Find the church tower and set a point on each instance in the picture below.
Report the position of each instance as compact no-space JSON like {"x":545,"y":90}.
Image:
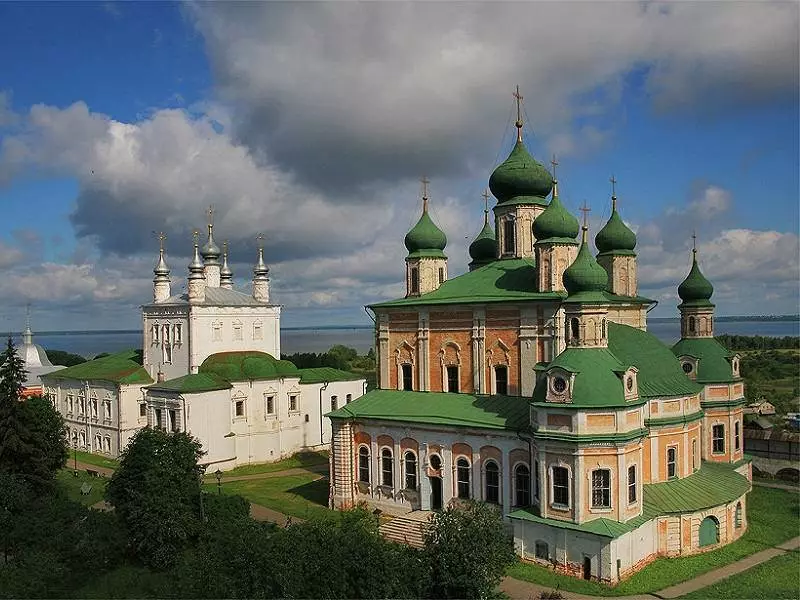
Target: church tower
{"x":426,"y":263}
{"x":225,"y":273}
{"x":161,"y":281}
{"x":586,"y":306}
{"x":261,"y":275}
{"x":196,"y":282}
{"x":555,"y":231}
{"x":483,"y":248}
{"x":615,"y":244}
{"x":211,"y":254}
{"x":697,"y":311}
{"x":521,"y":186}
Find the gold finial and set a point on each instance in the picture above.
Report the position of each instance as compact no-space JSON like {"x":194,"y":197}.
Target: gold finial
{"x":485,"y":196}
{"x":585,"y":210}
{"x":161,"y":237}
{"x":518,"y":124}
{"x":613,"y":181}
{"x":196,"y":237}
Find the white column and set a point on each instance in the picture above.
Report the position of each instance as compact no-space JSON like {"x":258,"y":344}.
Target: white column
{"x":505,"y":479}
{"x":447,"y":475}
{"x":397,"y":471}
{"x":622,"y":482}
{"x":477,"y":476}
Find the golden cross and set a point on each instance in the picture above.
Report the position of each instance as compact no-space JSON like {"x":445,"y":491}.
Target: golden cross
{"x":585,"y":210}
{"x":554,"y":162}
{"x":425,"y":181}
{"x":518,"y":124}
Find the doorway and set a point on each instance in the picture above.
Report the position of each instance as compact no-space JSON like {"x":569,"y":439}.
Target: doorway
{"x":436,"y":493}
{"x":587,"y":567}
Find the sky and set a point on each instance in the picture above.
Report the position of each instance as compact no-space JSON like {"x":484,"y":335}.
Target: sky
{"x":312,"y":123}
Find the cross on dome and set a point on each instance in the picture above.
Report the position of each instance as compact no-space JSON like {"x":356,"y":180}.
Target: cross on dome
{"x":554,"y":162}
{"x":518,"y":124}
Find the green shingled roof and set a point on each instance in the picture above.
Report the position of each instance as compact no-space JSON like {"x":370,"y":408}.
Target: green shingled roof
{"x":713,"y":359}
{"x":598,"y":379}
{"x":193,"y":383}
{"x":695,"y":290}
{"x":439,"y":408}
{"x":425,"y":238}
{"x":122,"y":367}
{"x":713,"y":484}
{"x":556,"y":221}
{"x":323,"y":374}
{"x":247,"y":365}
{"x":483,"y":248}
{"x":615,"y":235}
{"x":521,"y":179}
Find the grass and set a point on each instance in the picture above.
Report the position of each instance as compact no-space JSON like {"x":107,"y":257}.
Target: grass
{"x":299,"y":460}
{"x":773,"y":517}
{"x":92,"y":459}
{"x":776,"y":578}
{"x":72,"y":486}
{"x":304,"y":496}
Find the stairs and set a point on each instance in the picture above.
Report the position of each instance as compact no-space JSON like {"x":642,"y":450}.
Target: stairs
{"x":407,"y":529}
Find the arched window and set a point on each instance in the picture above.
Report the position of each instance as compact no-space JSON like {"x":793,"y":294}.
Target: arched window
{"x":414,"y":280}
{"x":462,"y":477}
{"x":631,"y":484}
{"x":692,"y":325}
{"x":436,"y":462}
{"x":411,"y":470}
{"x":509,"y":244}
{"x":542,"y":551}
{"x":672,"y":462}
{"x":441,"y":275}
{"x":387,"y":471}
{"x":522,"y":485}
{"x":363,"y":464}
{"x":492,"y":482}
{"x":709,"y":532}
{"x":737,"y":517}
{"x":575,"y":327}
{"x":604,"y":328}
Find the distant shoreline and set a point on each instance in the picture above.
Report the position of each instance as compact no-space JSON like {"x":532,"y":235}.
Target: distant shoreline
{"x":739,"y":319}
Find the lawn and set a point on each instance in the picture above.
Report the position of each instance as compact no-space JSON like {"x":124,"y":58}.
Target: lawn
{"x":304,"y":496}
{"x":92,"y":459}
{"x":773,"y":517}
{"x":299,"y":460}
{"x":72,"y":486}
{"x":776,"y":578}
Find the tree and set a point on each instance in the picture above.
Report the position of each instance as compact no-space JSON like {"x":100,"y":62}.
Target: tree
{"x":48,"y":435}
{"x":467,"y":550}
{"x":65,"y":359}
{"x":156,"y":492}
{"x":17,"y":455}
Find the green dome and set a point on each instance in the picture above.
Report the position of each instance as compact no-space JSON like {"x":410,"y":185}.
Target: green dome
{"x":483,"y":249}
{"x":556,"y":221}
{"x":695,"y":289}
{"x":520,"y":175}
{"x":585,"y":275}
{"x":425,"y":237}
{"x":615,"y":235}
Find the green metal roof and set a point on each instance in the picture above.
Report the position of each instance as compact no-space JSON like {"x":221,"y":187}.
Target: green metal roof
{"x":193,"y":383}
{"x":440,"y":408}
{"x":598,"y":378}
{"x":695,"y":290}
{"x":556,"y":221}
{"x":122,"y":367}
{"x":615,"y":236}
{"x":520,"y":175}
{"x":713,"y":484}
{"x":584,"y":274}
{"x":247,"y":365}
{"x":713,"y":359}
{"x":483,"y":248}
{"x":323,"y":374}
{"x":425,"y":236}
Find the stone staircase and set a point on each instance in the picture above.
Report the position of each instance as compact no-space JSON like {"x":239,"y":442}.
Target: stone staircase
{"x":407,"y":529}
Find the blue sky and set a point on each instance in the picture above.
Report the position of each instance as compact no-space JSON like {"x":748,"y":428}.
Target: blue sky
{"x":313,"y":122}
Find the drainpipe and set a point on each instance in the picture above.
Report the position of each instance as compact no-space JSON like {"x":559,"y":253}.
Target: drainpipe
{"x":182,"y":399}
{"x":322,"y":388}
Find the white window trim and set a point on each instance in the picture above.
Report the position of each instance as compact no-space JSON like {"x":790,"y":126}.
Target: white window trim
{"x":551,"y":487}
{"x":677,"y":462}
{"x":358,"y":464}
{"x":405,"y":472}
{"x":499,"y":480}
{"x":713,"y":425}
{"x":239,"y":397}
{"x":601,"y":509}
{"x":380,"y":465}
{"x":637,"y":484}
{"x":456,"y":458}
{"x":296,"y":410}
{"x":513,"y":486}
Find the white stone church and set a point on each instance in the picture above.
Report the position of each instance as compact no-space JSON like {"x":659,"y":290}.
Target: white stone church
{"x":210,"y":365}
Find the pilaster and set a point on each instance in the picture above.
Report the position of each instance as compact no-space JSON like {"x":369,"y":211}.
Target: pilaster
{"x":383,"y":351}
{"x":479,"y":382}
{"x":528,"y":337}
{"x":423,"y":351}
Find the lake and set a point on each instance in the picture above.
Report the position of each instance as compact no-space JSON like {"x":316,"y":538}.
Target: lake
{"x":90,"y":343}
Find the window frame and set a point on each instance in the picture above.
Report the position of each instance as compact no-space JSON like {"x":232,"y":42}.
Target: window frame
{"x":500,"y":369}
{"x":239,"y":408}
{"x":410,"y":458}
{"x":387,"y":467}
{"x":496,"y":487}
{"x":633,"y":496}
{"x":509,"y":236}
{"x":672,"y":465}
{"x":294,"y":403}
{"x":601,"y":488}
{"x":414,"y":280}
{"x":269,"y":405}
{"x":736,"y":436}
{"x":407,"y":376}
{"x":524,"y":490}
{"x":457,"y":378}
{"x":565,"y":487}
{"x":463,"y":484}
{"x":364,"y":466}
{"x":334,"y":402}
{"x":715,"y":439}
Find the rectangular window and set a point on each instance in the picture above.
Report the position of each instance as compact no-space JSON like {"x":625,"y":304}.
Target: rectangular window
{"x":237,"y":332}
{"x":632,"y":484}
{"x":293,"y":403}
{"x":414,"y":280}
{"x":387,"y":468}
{"x":70,"y":404}
{"x":270,"y":405}
{"x":408,"y":378}
{"x":452,"y":379}
{"x":560,"y":486}
{"x":508,"y":236}
{"x":159,"y":424}
{"x":334,"y":402}
{"x":411,"y":470}
{"x":165,"y":334}
{"x":240,"y":408}
{"x":348,"y":398}
{"x":216,"y":332}
{"x":107,"y":444}
{"x":718,"y":439}
{"x":501,"y":380}
{"x":601,"y":488}
{"x":736,"y":435}
{"x":154,"y":333}
{"x":178,"y":334}
{"x":142,"y":409}
{"x":441,"y":276}
{"x":173,"y":421}
{"x":694,"y":455}
{"x":258,"y":331}
{"x":672,"y":462}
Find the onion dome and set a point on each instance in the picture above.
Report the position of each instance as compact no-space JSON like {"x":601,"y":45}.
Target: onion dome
{"x":225,"y":273}
{"x":556,"y":221}
{"x":161,"y":269}
{"x":260,"y":270}
{"x":520,"y":176}
{"x":584,"y":274}
{"x":483,"y":248}
{"x":210,"y":250}
{"x":425,"y":238}
{"x":196,"y":269}
{"x":695,"y":289}
{"x":615,"y":236}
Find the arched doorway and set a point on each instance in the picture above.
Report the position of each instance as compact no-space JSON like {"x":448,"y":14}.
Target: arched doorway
{"x":709,"y":532}
{"x":436,"y":482}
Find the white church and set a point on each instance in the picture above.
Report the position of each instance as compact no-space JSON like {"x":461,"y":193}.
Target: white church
{"x":210,"y":365}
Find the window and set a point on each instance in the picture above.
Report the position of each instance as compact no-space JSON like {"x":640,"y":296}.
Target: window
{"x":157,"y":412}
{"x":692,"y":325}
{"x":82,"y":439}
{"x":631,"y":484}
{"x":414,"y":280}
{"x":508,"y":236}
{"x":561,"y":486}
{"x":672,"y":462}
{"x":492,"y":482}
{"x":718,"y":439}
{"x":536,"y":479}
{"x":462,"y":477}
{"x":736,"y":435}
{"x":408,"y":381}
{"x":604,"y":328}
{"x":166,"y":351}
{"x":363,"y":464}
{"x":154,"y":333}
{"x":270,"y":405}
{"x":436,"y":462}
{"x":501,"y":380}
{"x":334,"y":402}
{"x":94,"y":408}
{"x":601,"y":488}
{"x":107,"y":444}
{"x":542,"y":551}
{"x":98,"y":443}
{"x":70,"y":403}
{"x":173,"y":420}
{"x":452,"y":379}
{"x":441,"y":276}
{"x":237,"y":331}
{"x":411,"y":470}
{"x":522,"y":485}
{"x":258,"y":331}
{"x":575,"y":328}
{"x":387,"y":472}
{"x":737,"y":517}
{"x":694,"y":455}
{"x":239,"y":408}
{"x":687,"y":367}
{"x":348,"y":398}
{"x":178,"y":334}
{"x":107,"y":410}
{"x":165,"y":334}
{"x":216,"y":332}
{"x":293,"y":403}
{"x":142,"y":409}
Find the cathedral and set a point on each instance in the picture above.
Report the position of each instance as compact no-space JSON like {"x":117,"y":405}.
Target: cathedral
{"x":531,"y":382}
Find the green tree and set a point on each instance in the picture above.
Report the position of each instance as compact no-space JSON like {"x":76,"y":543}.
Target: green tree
{"x":17,"y":455}
{"x":467,"y":551}
{"x":156,"y":492}
{"x":48,"y":435}
{"x":65,"y":359}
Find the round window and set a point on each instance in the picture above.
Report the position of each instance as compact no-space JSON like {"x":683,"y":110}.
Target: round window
{"x":629,"y":384}
{"x":559,"y":384}
{"x":687,"y":367}
{"x":436,"y":462}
